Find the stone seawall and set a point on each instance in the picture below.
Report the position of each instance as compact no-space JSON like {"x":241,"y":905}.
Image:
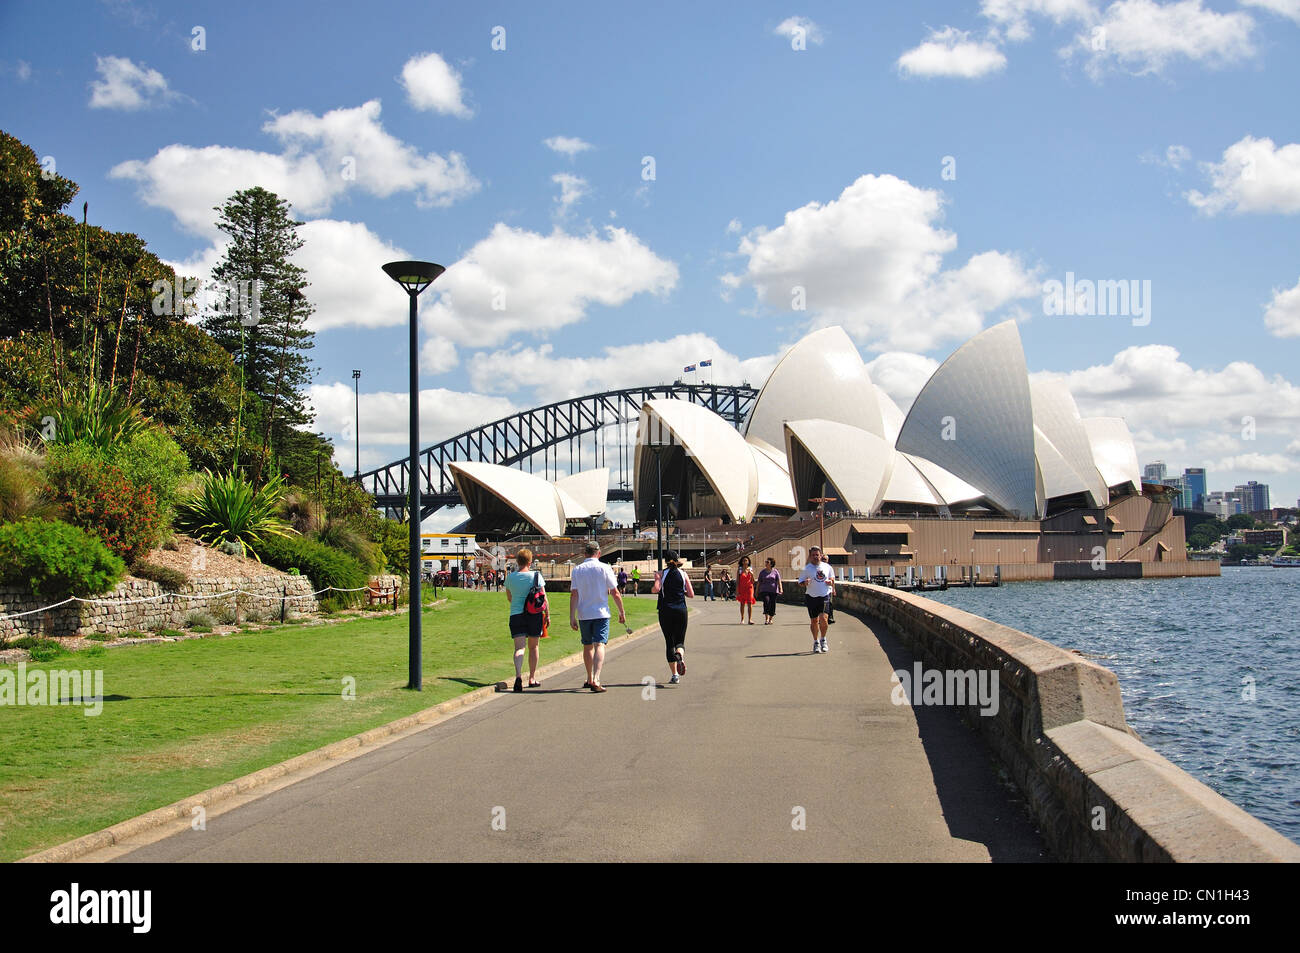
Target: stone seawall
{"x":1097,"y":792}
{"x":125,"y":609}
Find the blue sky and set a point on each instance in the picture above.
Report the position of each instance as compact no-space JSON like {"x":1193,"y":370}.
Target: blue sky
{"x":919,"y":170}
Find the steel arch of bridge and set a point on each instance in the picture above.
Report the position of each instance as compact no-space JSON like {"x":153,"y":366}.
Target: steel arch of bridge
{"x":520,"y":438}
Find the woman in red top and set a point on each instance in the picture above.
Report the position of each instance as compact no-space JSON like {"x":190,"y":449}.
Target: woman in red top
{"x":745,"y":589}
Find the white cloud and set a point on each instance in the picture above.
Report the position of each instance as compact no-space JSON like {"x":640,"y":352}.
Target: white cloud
{"x":1286,"y":8}
{"x":322,"y":157}
{"x":566,"y":145}
{"x":1175,"y":157}
{"x":23,"y":70}
{"x":431,"y":84}
{"x":1143,"y":37}
{"x":384,"y":414}
{"x":1255,"y":463}
{"x":516,"y":281}
{"x":547,"y":376}
{"x":872,"y":261}
{"x":792,"y":27}
{"x":1282,"y":318}
{"x":1254,"y":176}
{"x":572,"y":189}
{"x":124,"y":85}
{"x":734,"y":227}
{"x":1011,"y":17}
{"x":952,"y":52}
{"x":901,"y":374}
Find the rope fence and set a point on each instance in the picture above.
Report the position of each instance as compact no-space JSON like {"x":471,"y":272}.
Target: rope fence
{"x":179,"y":595}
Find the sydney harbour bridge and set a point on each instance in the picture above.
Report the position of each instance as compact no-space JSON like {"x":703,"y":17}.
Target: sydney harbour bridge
{"x":596,"y":430}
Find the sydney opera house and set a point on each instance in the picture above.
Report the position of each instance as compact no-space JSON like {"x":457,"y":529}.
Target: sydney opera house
{"x":986,"y":468}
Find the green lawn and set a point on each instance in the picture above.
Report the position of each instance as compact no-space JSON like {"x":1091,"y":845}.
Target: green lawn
{"x":182,"y":717}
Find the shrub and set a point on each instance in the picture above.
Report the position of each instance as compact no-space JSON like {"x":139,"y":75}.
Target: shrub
{"x":341,"y":535}
{"x":170,"y":579}
{"x":41,"y":650}
{"x":199,"y":617}
{"x":97,"y":496}
{"x":151,"y":458}
{"x":102,"y":636}
{"x":228,"y":510}
{"x":97,"y":416}
{"x":22,"y":491}
{"x":56,"y":560}
{"x":302,"y":513}
{"x":323,"y":565}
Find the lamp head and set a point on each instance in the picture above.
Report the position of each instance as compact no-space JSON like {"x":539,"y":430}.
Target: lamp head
{"x":413,"y":276}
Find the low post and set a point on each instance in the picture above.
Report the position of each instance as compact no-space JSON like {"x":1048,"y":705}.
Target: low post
{"x":284,"y":598}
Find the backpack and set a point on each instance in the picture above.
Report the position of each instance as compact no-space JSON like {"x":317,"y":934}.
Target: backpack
{"x":535,"y":601}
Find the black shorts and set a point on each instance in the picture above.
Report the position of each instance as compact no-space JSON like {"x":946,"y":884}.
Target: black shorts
{"x":816,"y":605}
{"x":527,"y":624}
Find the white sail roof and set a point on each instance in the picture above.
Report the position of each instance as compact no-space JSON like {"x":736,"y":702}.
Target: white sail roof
{"x":822,"y":376}
{"x":1057,"y":416}
{"x":583,"y":494}
{"x":718,"y":449}
{"x":908,"y":485}
{"x":533,"y":498}
{"x":951,"y":489}
{"x":975,"y":418}
{"x":1112,"y":448}
{"x":856,"y":462}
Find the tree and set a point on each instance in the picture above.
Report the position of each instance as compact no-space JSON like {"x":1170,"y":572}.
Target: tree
{"x":271,"y":340}
{"x":1241,"y":521}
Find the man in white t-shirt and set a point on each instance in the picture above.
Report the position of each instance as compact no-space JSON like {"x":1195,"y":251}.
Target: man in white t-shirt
{"x":818,"y":581}
{"x":591,"y":584}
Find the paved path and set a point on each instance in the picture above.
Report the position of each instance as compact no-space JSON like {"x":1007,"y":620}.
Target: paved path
{"x":711,"y":769}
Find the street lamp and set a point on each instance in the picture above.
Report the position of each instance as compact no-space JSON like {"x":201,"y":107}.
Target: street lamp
{"x":821,"y":502}
{"x":356,"y":396}
{"x":414,"y":277}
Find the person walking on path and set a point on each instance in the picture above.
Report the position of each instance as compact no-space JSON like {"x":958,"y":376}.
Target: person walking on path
{"x":769,"y":587}
{"x":622,"y":579}
{"x":674,"y":588}
{"x":745,"y":590}
{"x":530,"y":614}
{"x":818,"y":580}
{"x":725,"y":582}
{"x":590,"y":585}
{"x":636,"y":578}
{"x":708,"y":584}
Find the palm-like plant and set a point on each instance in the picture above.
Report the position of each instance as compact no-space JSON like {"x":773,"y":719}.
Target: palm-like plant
{"x":229,"y":509}
{"x":100,"y":416}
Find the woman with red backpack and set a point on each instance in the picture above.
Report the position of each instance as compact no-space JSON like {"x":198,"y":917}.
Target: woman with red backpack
{"x":530,"y":615}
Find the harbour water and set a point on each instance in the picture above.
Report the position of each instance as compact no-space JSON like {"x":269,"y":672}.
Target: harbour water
{"x":1208,"y":668}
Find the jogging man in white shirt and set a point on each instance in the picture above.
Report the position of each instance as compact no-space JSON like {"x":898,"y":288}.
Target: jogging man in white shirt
{"x":591,"y":584}
{"x":818,"y":579}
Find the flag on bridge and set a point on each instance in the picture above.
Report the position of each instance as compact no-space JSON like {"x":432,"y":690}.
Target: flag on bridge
{"x":689,"y":369}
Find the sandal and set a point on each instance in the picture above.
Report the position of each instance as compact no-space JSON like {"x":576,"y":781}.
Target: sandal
{"x":597,"y":687}
{"x":534,"y":684}
{"x":586,"y":684}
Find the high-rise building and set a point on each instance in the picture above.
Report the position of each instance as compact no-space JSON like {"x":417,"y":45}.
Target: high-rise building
{"x":1183,"y":492}
{"x":1154,"y":472}
{"x":1253,"y":496}
{"x":1221,"y":508}
{"x":1195,"y":479}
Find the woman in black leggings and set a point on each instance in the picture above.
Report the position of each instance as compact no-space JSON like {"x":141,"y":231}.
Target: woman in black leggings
{"x":674,"y":588}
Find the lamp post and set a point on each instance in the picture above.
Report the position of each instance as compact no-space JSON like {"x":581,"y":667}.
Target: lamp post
{"x":356,"y":427}
{"x":821,"y":502}
{"x":414,"y":277}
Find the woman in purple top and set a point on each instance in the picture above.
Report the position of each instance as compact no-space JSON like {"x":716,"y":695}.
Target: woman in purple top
{"x":769,"y":586}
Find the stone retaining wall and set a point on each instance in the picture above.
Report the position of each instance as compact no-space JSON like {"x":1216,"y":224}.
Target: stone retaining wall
{"x":1097,"y":792}
{"x":115,"y":612}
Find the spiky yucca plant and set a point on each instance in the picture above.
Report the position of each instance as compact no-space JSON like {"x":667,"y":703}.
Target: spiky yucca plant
{"x":229,"y":509}
{"x":98,"y":415}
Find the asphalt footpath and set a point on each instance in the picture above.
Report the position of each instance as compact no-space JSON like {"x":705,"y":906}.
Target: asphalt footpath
{"x":763,"y":752}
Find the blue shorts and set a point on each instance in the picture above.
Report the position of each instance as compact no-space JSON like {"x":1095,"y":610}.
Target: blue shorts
{"x":594,"y":631}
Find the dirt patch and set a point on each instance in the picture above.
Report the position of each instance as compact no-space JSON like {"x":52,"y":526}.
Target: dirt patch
{"x":198,"y":561}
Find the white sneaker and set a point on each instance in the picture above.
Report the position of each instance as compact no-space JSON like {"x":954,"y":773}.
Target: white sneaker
{"x":817,"y":647}
{"x":825,"y":650}
{"x":675,"y":679}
